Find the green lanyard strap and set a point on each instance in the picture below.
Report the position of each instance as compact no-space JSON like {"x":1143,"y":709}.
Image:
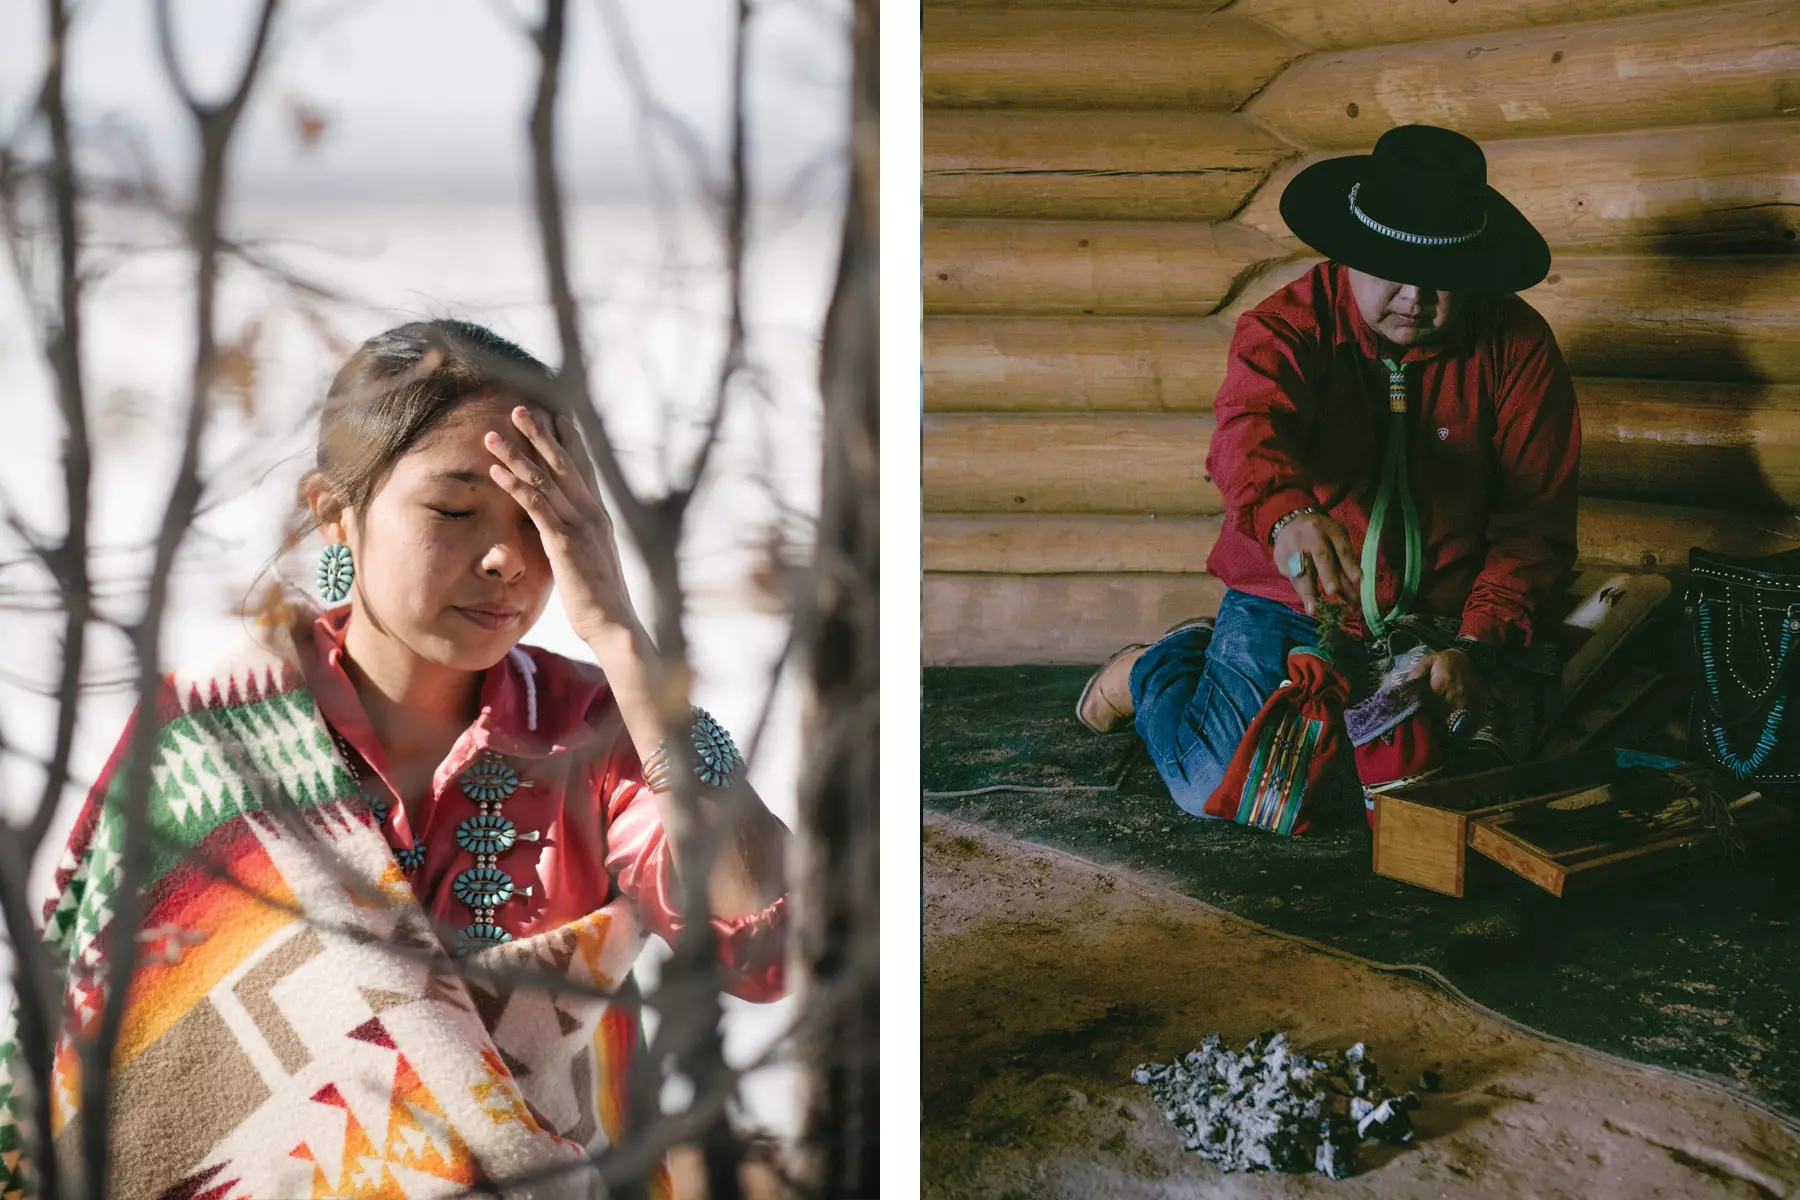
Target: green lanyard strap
{"x":1393,"y":478}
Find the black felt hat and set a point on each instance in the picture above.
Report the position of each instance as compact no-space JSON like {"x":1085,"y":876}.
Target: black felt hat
{"x":1418,"y":210}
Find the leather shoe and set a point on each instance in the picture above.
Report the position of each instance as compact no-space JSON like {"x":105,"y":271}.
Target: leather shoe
{"x":1105,"y":702}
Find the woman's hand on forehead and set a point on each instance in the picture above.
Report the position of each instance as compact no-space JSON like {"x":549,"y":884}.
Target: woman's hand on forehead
{"x":545,"y":468}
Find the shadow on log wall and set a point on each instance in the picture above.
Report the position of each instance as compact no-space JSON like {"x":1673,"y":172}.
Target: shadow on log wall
{"x":1100,"y":185}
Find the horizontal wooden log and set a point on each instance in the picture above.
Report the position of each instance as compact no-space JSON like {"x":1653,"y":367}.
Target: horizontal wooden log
{"x":1727,"y":318}
{"x":1729,"y":62}
{"x":1113,"y":364}
{"x":1090,"y":363}
{"x":1348,"y":24}
{"x":1093,"y":165}
{"x":1054,"y":364}
{"x":1705,"y":189}
{"x":971,"y":620}
{"x":1089,"y":267}
{"x":995,"y":618}
{"x":1655,"y":536}
{"x":1049,"y":545}
{"x":1127,"y":58}
{"x":1696,"y":444}
{"x":1731,"y":318}
{"x":1709,"y":445}
{"x":1070,"y":464}
{"x":1613,"y":533}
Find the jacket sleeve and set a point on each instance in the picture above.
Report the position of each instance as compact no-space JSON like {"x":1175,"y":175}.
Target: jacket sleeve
{"x":1261,"y":415}
{"x":752,"y":948}
{"x":1531,"y":529}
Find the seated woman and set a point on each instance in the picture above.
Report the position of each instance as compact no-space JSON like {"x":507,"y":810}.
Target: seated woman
{"x":1397,"y":432}
{"x":354,"y":802}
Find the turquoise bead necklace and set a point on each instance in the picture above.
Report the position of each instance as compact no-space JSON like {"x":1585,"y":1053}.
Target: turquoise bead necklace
{"x":1742,"y":767}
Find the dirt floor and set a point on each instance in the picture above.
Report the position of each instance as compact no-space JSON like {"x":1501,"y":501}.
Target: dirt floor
{"x":1047,"y":979}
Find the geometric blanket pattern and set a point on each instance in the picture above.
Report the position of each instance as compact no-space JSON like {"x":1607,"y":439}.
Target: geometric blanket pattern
{"x":295,"y":1027}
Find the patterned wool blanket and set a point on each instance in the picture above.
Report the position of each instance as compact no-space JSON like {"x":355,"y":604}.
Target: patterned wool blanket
{"x":295,"y":1027}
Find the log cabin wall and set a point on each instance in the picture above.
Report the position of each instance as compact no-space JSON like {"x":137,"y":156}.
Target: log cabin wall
{"x":1100,"y":191}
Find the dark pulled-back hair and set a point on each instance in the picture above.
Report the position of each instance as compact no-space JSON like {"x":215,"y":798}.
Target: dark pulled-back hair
{"x":398,"y":387}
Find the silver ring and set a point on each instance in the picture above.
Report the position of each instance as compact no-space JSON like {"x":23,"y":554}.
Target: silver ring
{"x":1456,"y":720}
{"x":1297,"y":564}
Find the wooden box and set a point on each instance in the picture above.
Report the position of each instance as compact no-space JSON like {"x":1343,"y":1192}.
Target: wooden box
{"x":1565,"y":824}
{"x":1422,"y":831}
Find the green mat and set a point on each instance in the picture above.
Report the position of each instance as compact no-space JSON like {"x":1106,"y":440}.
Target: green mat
{"x":1698,"y":971}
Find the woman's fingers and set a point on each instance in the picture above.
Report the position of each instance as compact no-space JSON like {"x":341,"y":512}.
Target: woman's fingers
{"x":568,"y":433}
{"x":561,"y":463}
{"x":536,"y":504}
{"x":530,"y":476}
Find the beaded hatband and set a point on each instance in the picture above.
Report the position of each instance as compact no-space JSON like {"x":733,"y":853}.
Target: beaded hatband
{"x":1417,"y":239}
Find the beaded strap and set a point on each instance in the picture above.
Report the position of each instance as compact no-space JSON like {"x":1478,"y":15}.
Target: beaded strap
{"x":1393,"y":479}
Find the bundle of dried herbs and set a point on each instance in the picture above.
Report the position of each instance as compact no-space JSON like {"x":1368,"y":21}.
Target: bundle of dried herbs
{"x":1267,"y":1108}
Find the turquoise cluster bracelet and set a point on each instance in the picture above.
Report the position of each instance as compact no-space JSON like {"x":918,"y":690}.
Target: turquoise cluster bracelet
{"x":716,"y":757}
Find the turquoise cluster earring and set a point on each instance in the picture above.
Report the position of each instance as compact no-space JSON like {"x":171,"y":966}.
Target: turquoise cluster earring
{"x":336,"y":571}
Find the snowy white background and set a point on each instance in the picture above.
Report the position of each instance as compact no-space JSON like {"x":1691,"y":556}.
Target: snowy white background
{"x":413,"y":205}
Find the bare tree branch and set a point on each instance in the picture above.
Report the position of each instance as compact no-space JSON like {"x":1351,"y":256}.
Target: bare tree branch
{"x":215,"y":124}
{"x":840,"y":790}
{"x":656,"y":114}
{"x":736,"y":214}
{"x":223,"y":114}
{"x":34,"y":974}
{"x":689,"y":1034}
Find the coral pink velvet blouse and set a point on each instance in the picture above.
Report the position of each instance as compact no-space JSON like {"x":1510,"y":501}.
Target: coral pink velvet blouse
{"x":554,"y":722}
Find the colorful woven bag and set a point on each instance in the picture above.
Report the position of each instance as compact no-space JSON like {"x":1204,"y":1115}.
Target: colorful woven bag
{"x":1294,"y":743}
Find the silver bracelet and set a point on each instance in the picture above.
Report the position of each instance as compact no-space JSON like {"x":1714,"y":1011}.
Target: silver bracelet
{"x":1278,"y":526}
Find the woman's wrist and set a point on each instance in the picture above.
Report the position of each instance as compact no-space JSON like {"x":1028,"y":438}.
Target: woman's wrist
{"x":625,"y":654}
{"x":619,"y":642}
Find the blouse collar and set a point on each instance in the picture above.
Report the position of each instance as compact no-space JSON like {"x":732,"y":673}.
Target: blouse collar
{"x":533,"y":702}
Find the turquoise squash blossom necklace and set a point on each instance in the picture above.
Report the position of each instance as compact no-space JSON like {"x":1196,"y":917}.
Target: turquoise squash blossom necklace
{"x":489,"y":782}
